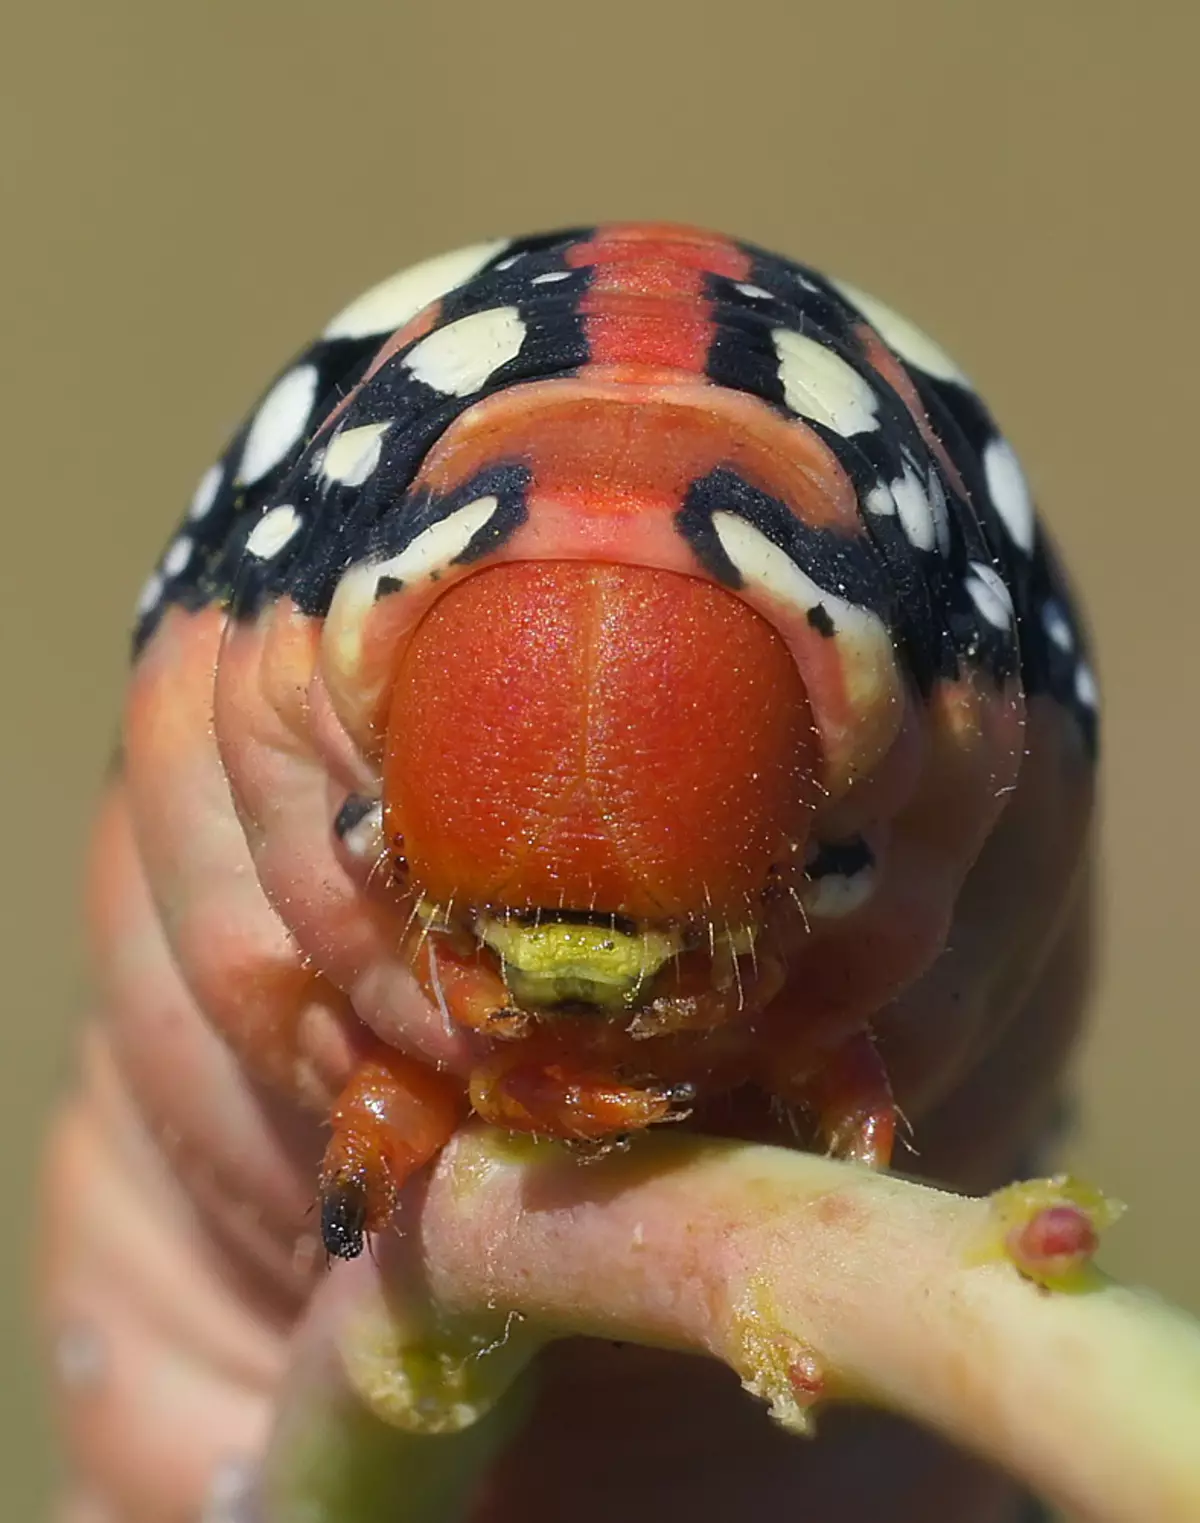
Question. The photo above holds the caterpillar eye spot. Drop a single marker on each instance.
(356, 808)
(842, 858)
(358, 830)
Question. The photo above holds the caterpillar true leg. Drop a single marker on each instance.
(391, 1118)
(852, 1095)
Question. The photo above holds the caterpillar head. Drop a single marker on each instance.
(603, 769)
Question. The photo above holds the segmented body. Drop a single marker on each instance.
(625, 397)
(639, 396)
(649, 396)
(942, 506)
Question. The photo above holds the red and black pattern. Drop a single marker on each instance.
(635, 303)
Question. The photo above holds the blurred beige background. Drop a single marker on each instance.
(190, 189)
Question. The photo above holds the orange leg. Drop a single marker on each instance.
(846, 1089)
(471, 993)
(553, 1095)
(391, 1118)
(853, 1101)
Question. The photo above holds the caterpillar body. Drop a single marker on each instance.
(612, 676)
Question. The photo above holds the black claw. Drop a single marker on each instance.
(344, 1221)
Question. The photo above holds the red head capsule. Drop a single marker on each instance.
(598, 738)
(601, 768)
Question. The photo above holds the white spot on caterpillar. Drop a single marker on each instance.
(902, 335)
(462, 357)
(395, 301)
(356, 592)
(879, 500)
(819, 384)
(863, 643)
(279, 423)
(353, 453)
(941, 512)
(1086, 689)
(753, 291)
(1009, 492)
(206, 492)
(835, 895)
(364, 840)
(923, 511)
(551, 277)
(178, 556)
(152, 590)
(1057, 626)
(436, 546)
(990, 595)
(914, 508)
(273, 532)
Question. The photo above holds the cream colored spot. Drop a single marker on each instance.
(273, 532)
(1087, 690)
(874, 705)
(915, 509)
(279, 424)
(941, 511)
(879, 500)
(206, 492)
(397, 300)
(436, 546)
(765, 566)
(152, 590)
(838, 894)
(1009, 492)
(462, 357)
(177, 556)
(903, 336)
(355, 595)
(819, 384)
(1058, 630)
(353, 454)
(990, 595)
(364, 840)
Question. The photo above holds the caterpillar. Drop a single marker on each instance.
(613, 677)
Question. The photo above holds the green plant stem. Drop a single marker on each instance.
(813, 1280)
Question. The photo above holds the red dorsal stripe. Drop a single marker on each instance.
(646, 307)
